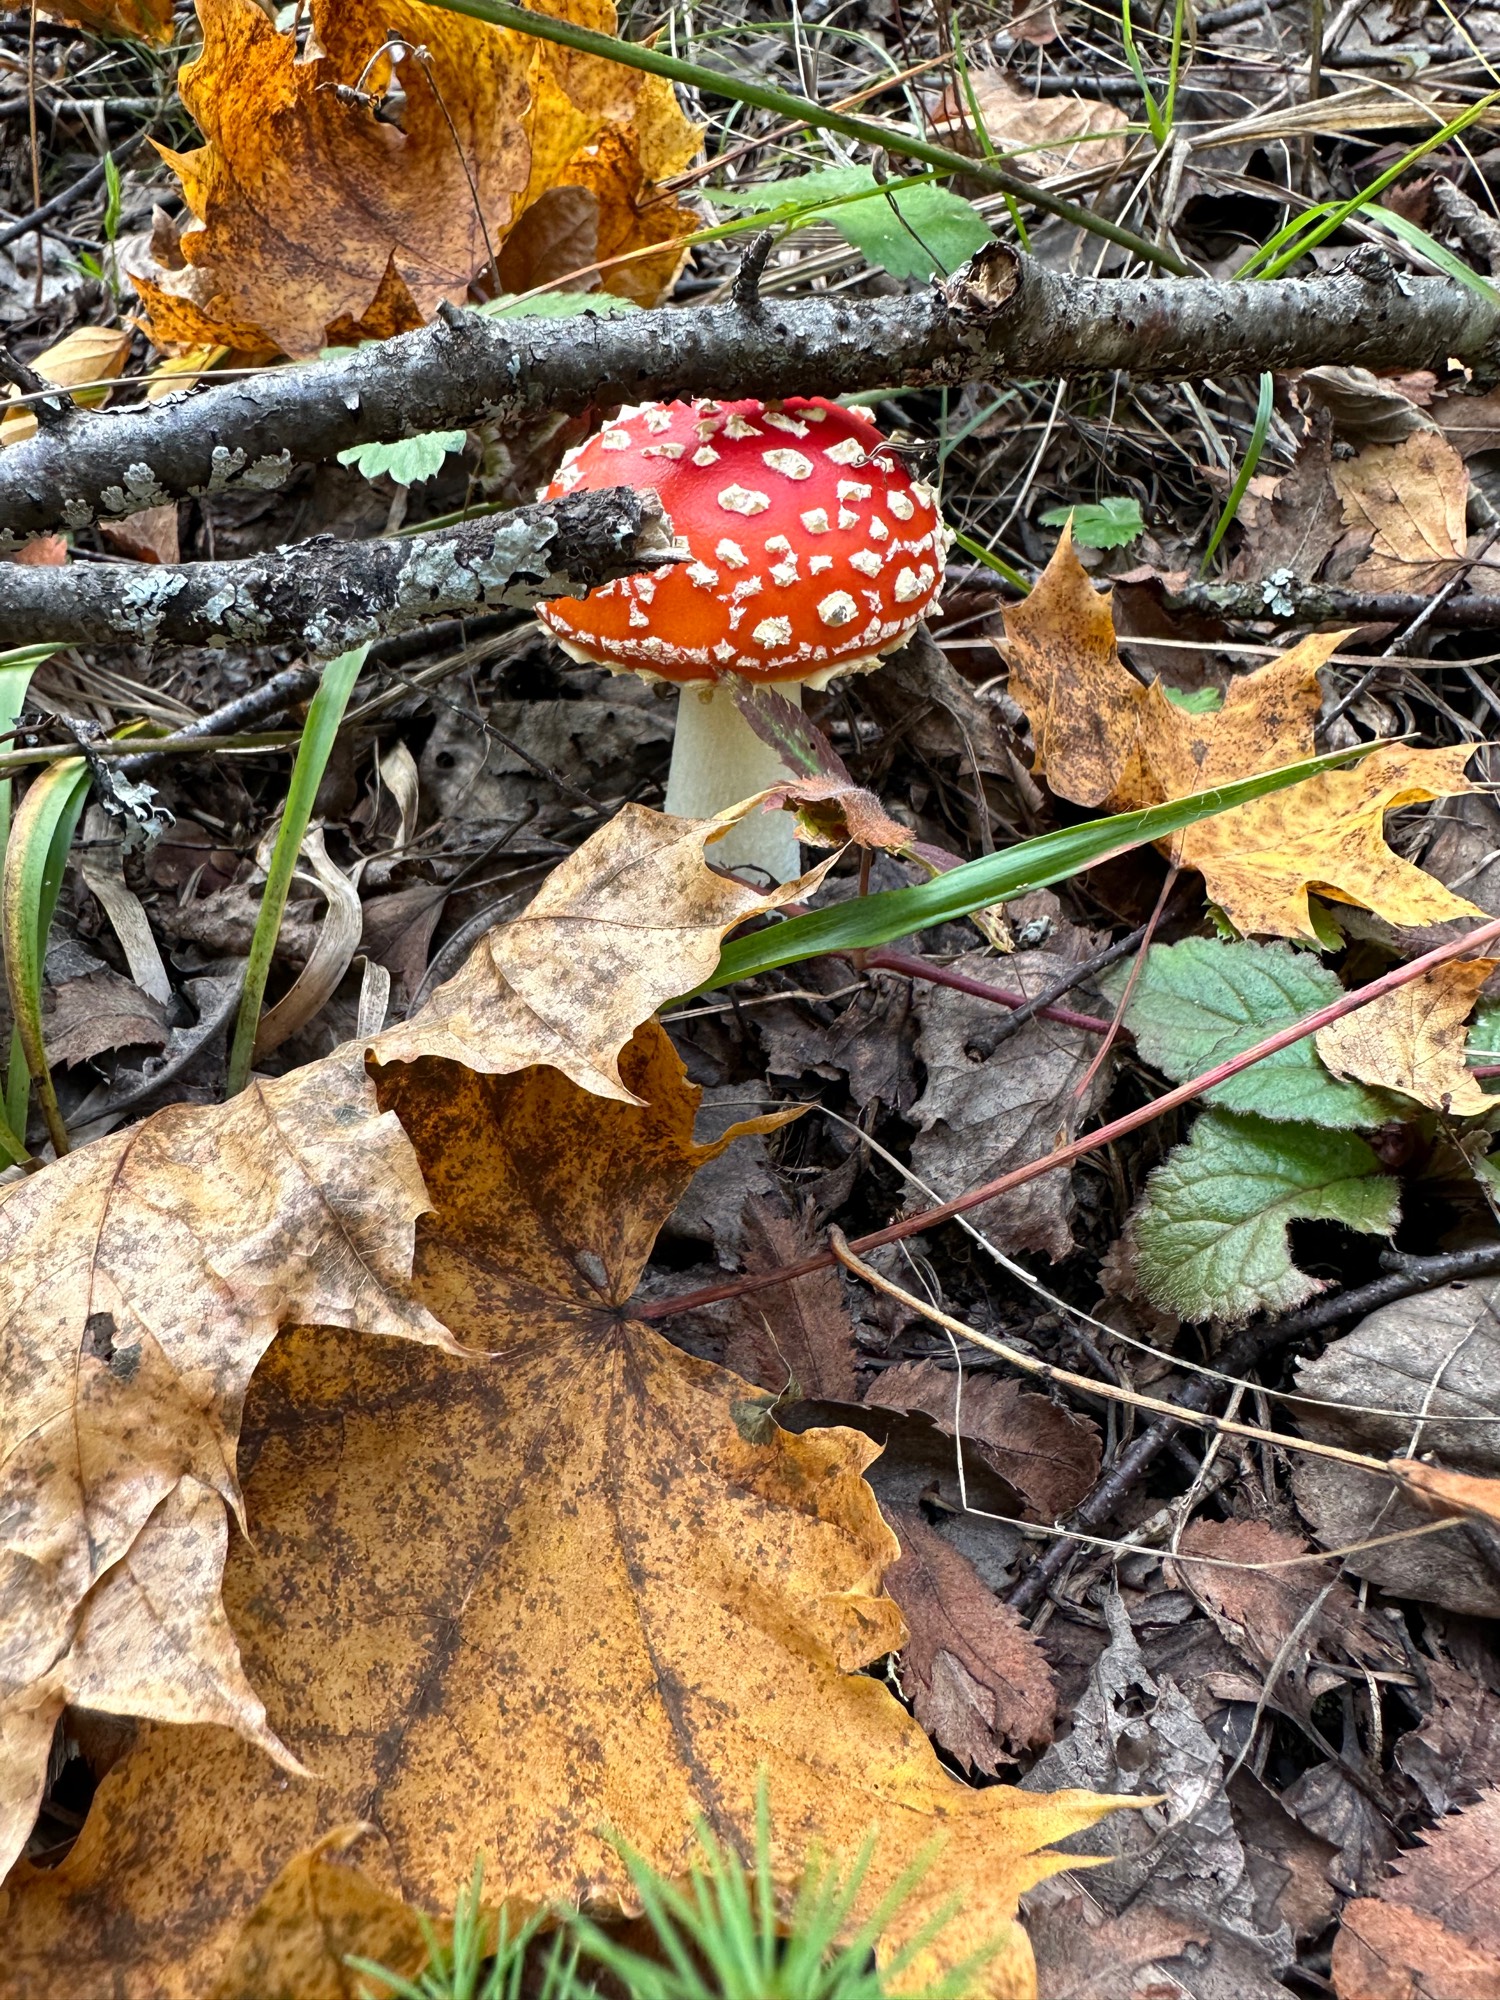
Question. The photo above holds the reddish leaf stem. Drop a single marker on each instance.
(941, 975)
(1064, 1156)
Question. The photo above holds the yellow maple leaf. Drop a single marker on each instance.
(142, 1278)
(1105, 739)
(574, 1581)
(1413, 1040)
(87, 354)
(316, 219)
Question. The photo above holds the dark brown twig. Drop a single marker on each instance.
(1247, 1350)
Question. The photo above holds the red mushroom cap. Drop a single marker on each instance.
(813, 550)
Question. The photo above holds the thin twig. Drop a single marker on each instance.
(1104, 1135)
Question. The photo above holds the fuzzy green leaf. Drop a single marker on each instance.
(912, 234)
(1197, 1003)
(1100, 524)
(408, 460)
(1212, 1230)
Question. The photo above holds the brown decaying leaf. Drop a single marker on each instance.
(993, 1104)
(1411, 498)
(316, 1914)
(794, 1339)
(1453, 1753)
(1044, 136)
(1433, 1930)
(142, 1278)
(1104, 739)
(1050, 1455)
(978, 1682)
(316, 220)
(150, 536)
(1260, 1610)
(145, 20)
(101, 1010)
(500, 1600)
(1084, 1953)
(1413, 1040)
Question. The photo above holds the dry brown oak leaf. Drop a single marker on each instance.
(316, 219)
(143, 1277)
(1104, 739)
(1433, 1931)
(502, 1600)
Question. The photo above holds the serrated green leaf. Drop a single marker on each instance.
(1212, 1230)
(408, 460)
(1197, 1003)
(1100, 524)
(1483, 1045)
(934, 231)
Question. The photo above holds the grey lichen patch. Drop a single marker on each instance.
(76, 513)
(142, 603)
(225, 466)
(237, 609)
(142, 489)
(326, 634)
(265, 475)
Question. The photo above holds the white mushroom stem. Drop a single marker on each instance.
(717, 760)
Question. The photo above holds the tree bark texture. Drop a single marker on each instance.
(1000, 316)
(329, 595)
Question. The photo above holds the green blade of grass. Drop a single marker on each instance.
(322, 726)
(991, 561)
(1435, 253)
(16, 669)
(803, 111)
(1340, 214)
(35, 857)
(1258, 434)
(867, 921)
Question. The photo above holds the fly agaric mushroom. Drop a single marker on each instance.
(813, 552)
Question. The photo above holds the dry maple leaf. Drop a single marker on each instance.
(145, 20)
(1413, 1040)
(1411, 498)
(1104, 739)
(572, 1580)
(143, 1277)
(316, 1915)
(318, 220)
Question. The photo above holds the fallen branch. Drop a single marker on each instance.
(329, 596)
(1103, 1135)
(1283, 599)
(1001, 315)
